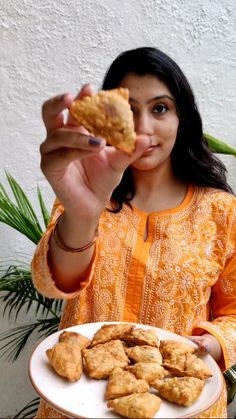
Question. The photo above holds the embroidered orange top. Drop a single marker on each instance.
(182, 278)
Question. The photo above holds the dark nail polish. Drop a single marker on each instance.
(61, 98)
(95, 142)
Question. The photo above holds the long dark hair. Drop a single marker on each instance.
(192, 160)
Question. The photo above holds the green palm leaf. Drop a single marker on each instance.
(29, 410)
(44, 211)
(218, 146)
(22, 201)
(13, 341)
(19, 293)
(19, 215)
(11, 215)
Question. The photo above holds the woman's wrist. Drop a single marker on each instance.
(75, 233)
(63, 246)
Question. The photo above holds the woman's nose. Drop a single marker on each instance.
(143, 124)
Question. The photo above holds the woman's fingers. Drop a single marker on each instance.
(62, 158)
(208, 343)
(121, 160)
(52, 111)
(202, 348)
(65, 138)
(85, 91)
(201, 343)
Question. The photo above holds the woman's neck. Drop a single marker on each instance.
(157, 190)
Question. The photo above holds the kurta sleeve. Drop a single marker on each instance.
(223, 304)
(40, 270)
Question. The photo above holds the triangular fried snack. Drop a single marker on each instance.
(107, 114)
(138, 406)
(183, 391)
(122, 383)
(111, 332)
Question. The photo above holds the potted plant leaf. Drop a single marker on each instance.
(17, 292)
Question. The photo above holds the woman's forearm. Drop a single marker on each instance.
(69, 268)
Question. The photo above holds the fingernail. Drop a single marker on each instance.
(95, 142)
(62, 97)
(86, 85)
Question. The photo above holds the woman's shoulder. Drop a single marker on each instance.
(216, 198)
(219, 195)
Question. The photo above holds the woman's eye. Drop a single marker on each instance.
(160, 109)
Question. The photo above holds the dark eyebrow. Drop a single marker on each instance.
(155, 98)
(161, 97)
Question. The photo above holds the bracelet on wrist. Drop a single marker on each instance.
(59, 242)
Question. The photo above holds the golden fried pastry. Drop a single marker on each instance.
(100, 361)
(107, 114)
(196, 367)
(122, 383)
(142, 405)
(144, 353)
(148, 371)
(172, 348)
(74, 338)
(183, 391)
(175, 364)
(111, 332)
(66, 360)
(189, 365)
(140, 336)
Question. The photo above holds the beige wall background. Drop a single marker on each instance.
(50, 47)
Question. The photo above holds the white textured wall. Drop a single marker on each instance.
(49, 47)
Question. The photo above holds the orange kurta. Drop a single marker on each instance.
(182, 278)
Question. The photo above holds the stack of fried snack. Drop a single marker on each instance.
(134, 361)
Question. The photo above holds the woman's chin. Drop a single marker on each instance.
(145, 163)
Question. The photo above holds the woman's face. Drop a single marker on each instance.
(155, 115)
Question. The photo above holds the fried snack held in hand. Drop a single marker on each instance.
(141, 336)
(144, 353)
(138, 406)
(183, 391)
(66, 360)
(122, 383)
(100, 361)
(107, 114)
(148, 371)
(111, 332)
(75, 339)
(188, 365)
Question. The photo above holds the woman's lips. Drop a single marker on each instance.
(149, 150)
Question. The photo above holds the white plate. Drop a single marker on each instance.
(85, 398)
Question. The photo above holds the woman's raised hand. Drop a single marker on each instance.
(81, 169)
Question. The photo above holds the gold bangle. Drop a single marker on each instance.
(68, 249)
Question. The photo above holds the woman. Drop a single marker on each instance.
(165, 252)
